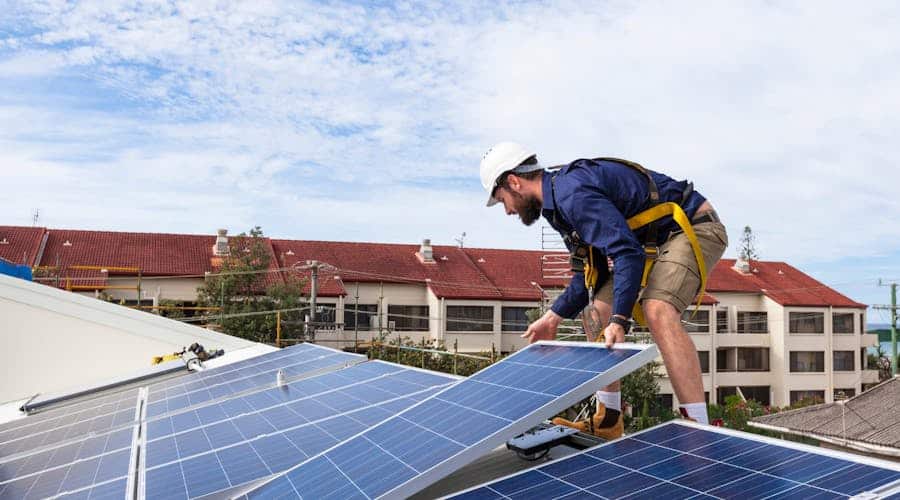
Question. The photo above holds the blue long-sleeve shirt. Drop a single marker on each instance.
(595, 198)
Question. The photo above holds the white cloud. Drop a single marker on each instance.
(351, 122)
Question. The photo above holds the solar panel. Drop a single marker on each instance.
(95, 451)
(686, 460)
(229, 442)
(85, 464)
(174, 395)
(253, 437)
(408, 452)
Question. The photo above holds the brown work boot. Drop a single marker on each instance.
(605, 424)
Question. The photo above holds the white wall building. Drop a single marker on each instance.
(765, 327)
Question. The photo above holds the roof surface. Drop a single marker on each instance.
(20, 245)
(870, 417)
(779, 281)
(456, 273)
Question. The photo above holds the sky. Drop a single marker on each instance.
(366, 121)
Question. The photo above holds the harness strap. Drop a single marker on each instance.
(651, 239)
(680, 218)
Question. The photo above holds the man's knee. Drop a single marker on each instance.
(604, 309)
(660, 313)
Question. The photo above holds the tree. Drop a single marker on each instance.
(640, 389)
(748, 245)
(246, 293)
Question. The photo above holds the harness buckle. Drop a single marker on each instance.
(652, 252)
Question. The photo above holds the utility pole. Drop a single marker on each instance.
(356, 319)
(893, 309)
(314, 288)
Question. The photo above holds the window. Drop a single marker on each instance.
(363, 312)
(409, 318)
(663, 404)
(704, 361)
(721, 321)
(842, 323)
(326, 313)
(807, 361)
(844, 393)
(753, 359)
(695, 323)
(753, 322)
(514, 319)
(724, 392)
(844, 361)
(806, 322)
(758, 393)
(813, 396)
(470, 318)
(725, 361)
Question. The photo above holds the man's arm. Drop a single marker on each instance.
(573, 299)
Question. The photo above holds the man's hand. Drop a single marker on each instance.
(544, 328)
(613, 333)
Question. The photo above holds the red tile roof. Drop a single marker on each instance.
(780, 282)
(451, 275)
(156, 254)
(469, 273)
(20, 245)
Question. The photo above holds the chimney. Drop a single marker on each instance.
(742, 265)
(426, 253)
(221, 246)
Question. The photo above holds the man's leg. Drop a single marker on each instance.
(607, 421)
(604, 311)
(671, 288)
(679, 355)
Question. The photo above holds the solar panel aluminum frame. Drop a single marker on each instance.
(646, 353)
(41, 401)
(138, 440)
(881, 492)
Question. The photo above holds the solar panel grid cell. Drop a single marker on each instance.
(684, 461)
(417, 447)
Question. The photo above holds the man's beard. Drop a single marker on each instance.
(528, 208)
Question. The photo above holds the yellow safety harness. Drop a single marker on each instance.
(648, 218)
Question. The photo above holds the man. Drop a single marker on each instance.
(593, 204)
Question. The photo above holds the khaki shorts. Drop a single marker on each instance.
(675, 277)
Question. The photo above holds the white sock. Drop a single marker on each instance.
(612, 400)
(697, 411)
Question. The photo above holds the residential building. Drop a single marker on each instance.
(764, 329)
(777, 335)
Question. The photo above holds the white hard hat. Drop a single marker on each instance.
(501, 158)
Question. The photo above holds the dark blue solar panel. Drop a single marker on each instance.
(279, 430)
(177, 394)
(94, 466)
(430, 440)
(71, 477)
(66, 415)
(675, 460)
